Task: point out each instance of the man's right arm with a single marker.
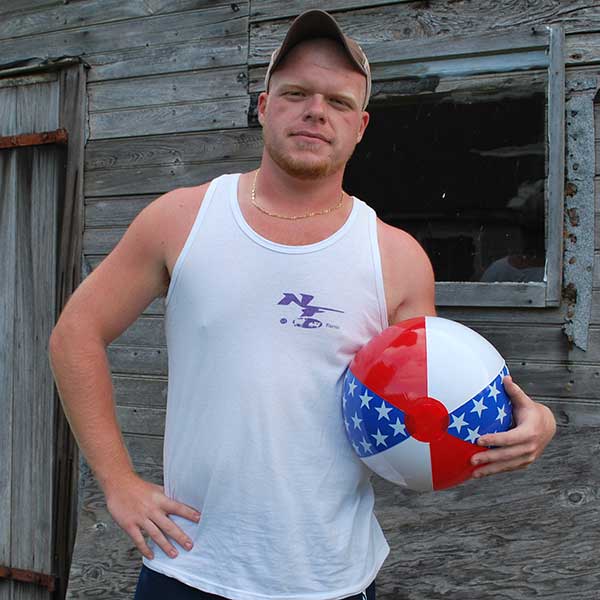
(106, 303)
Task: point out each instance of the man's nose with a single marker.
(316, 106)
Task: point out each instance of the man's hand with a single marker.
(137, 505)
(520, 446)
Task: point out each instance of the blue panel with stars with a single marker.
(372, 424)
(489, 411)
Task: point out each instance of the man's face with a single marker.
(315, 91)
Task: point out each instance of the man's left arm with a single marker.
(410, 292)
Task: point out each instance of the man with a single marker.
(273, 280)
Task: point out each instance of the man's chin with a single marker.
(304, 169)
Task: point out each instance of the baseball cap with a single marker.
(318, 23)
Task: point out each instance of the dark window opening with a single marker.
(466, 179)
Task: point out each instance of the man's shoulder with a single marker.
(407, 274)
(400, 245)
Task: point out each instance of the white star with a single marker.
(473, 435)
(365, 399)
(501, 414)
(458, 422)
(383, 411)
(494, 393)
(379, 437)
(479, 406)
(366, 445)
(356, 448)
(344, 400)
(352, 386)
(357, 421)
(347, 424)
(398, 427)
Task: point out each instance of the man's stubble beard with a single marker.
(297, 167)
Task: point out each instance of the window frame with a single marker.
(531, 49)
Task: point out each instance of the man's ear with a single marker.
(262, 106)
(363, 125)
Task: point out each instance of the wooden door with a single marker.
(30, 190)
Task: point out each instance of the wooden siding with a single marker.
(170, 85)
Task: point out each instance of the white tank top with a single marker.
(259, 336)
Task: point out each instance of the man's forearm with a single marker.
(82, 374)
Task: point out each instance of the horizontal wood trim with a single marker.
(267, 10)
(174, 118)
(503, 315)
(159, 179)
(141, 420)
(136, 390)
(582, 49)
(76, 15)
(205, 53)
(212, 22)
(490, 294)
(174, 150)
(10, 8)
(58, 136)
(144, 449)
(137, 360)
(178, 88)
(114, 211)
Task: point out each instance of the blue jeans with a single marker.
(156, 586)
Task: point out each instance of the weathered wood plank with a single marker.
(114, 211)
(534, 531)
(448, 293)
(141, 420)
(262, 10)
(173, 149)
(582, 49)
(195, 86)
(92, 12)
(217, 22)
(205, 53)
(8, 274)
(532, 316)
(160, 179)
(8, 8)
(138, 360)
(558, 380)
(150, 392)
(174, 118)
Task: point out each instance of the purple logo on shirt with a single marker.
(305, 320)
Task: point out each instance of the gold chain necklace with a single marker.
(295, 217)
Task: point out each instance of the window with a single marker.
(466, 153)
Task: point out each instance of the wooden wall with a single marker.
(170, 90)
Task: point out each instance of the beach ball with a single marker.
(418, 396)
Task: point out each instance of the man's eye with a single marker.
(341, 102)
